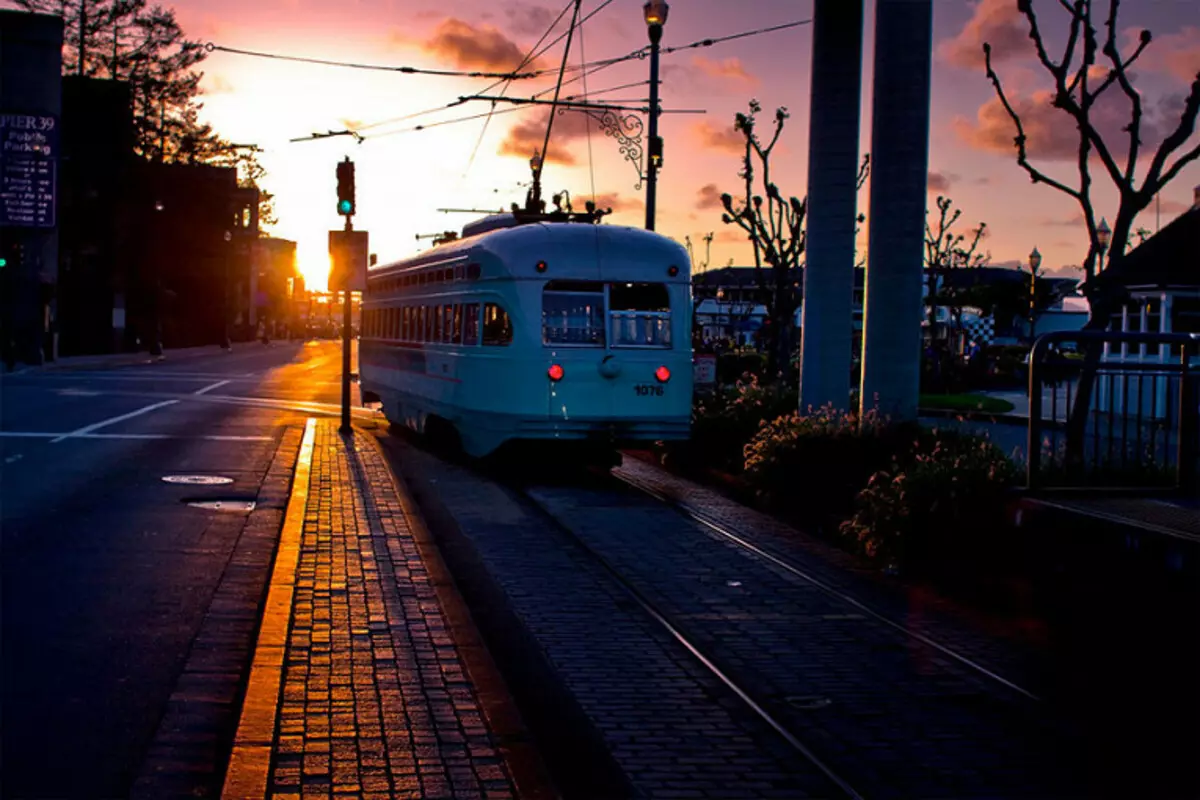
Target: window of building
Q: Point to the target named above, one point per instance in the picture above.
(497, 327)
(471, 324)
(639, 315)
(573, 313)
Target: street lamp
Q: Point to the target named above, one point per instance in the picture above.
(156, 342)
(534, 199)
(225, 343)
(655, 13)
(1035, 261)
(1103, 235)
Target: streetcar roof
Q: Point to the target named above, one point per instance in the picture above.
(547, 241)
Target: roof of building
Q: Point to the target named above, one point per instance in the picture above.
(1170, 257)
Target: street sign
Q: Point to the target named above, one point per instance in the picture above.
(349, 251)
(28, 154)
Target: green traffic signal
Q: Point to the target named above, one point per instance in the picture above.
(3, 262)
(345, 207)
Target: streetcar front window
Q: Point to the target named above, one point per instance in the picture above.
(640, 315)
(573, 313)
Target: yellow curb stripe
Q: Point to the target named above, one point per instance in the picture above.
(250, 763)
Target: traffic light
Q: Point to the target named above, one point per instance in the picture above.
(345, 179)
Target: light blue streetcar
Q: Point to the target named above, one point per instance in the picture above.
(553, 332)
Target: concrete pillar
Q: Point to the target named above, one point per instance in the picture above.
(891, 371)
(30, 89)
(826, 320)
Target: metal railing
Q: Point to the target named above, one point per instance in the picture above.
(1140, 426)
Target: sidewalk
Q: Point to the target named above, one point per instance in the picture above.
(367, 680)
(115, 359)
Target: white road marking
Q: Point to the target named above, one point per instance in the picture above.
(114, 420)
(216, 385)
(135, 436)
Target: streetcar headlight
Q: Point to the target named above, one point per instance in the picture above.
(663, 374)
(555, 372)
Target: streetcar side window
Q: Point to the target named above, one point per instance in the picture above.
(420, 337)
(471, 324)
(448, 323)
(457, 330)
(639, 315)
(573, 313)
(404, 319)
(497, 327)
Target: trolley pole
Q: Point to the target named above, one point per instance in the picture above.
(346, 348)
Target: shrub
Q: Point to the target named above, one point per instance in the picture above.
(814, 464)
(734, 366)
(724, 422)
(944, 506)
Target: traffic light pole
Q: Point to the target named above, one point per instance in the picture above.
(346, 349)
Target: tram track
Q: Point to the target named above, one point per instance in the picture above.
(708, 662)
(742, 541)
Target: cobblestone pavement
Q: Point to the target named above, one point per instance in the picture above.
(376, 701)
(901, 719)
(672, 729)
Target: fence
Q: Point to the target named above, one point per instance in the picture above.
(1140, 426)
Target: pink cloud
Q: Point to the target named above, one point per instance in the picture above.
(997, 22)
(466, 46)
(616, 202)
(723, 139)
(1176, 54)
(709, 197)
(939, 182)
(527, 137)
(730, 68)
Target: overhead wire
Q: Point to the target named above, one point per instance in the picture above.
(528, 59)
(588, 121)
(587, 69)
(453, 73)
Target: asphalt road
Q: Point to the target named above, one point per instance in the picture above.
(107, 572)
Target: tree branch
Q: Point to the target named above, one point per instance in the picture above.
(1022, 155)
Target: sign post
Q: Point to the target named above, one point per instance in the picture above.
(349, 274)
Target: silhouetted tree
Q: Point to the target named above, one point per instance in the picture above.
(1074, 76)
(946, 252)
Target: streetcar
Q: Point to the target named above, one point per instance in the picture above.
(572, 335)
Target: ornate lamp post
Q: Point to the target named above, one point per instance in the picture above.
(655, 13)
(533, 200)
(1035, 261)
(1103, 236)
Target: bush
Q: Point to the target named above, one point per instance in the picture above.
(813, 465)
(734, 366)
(723, 423)
(943, 508)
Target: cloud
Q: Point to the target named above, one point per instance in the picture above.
(730, 68)
(529, 20)
(466, 46)
(615, 201)
(528, 136)
(723, 139)
(1172, 207)
(997, 22)
(215, 84)
(709, 197)
(939, 182)
(1176, 54)
(1051, 133)
(731, 236)
(1074, 221)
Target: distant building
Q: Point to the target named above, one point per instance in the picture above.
(275, 283)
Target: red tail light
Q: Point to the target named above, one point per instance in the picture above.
(555, 372)
(663, 374)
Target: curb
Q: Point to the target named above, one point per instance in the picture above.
(250, 762)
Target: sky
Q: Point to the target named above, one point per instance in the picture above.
(404, 176)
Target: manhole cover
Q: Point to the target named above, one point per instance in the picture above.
(808, 703)
(198, 480)
(238, 506)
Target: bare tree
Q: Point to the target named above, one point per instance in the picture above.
(1075, 96)
(945, 252)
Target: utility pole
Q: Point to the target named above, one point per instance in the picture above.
(82, 33)
(655, 145)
